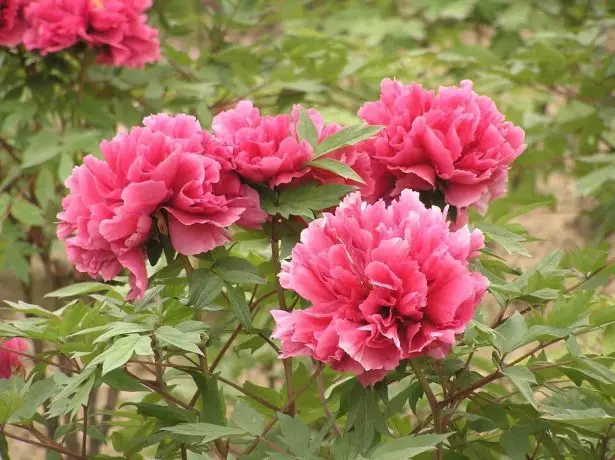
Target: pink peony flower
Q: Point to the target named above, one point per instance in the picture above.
(54, 25)
(386, 283)
(118, 28)
(12, 24)
(11, 362)
(455, 141)
(262, 148)
(107, 220)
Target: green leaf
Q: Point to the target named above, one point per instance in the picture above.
(120, 380)
(238, 270)
(408, 446)
(26, 213)
(516, 442)
(338, 168)
(295, 434)
(168, 415)
(212, 402)
(590, 183)
(511, 242)
(42, 147)
(579, 417)
(247, 418)
(120, 352)
(521, 377)
(306, 129)
(118, 328)
(347, 136)
(512, 333)
(207, 432)
(307, 199)
(185, 340)
(30, 309)
(44, 187)
(204, 287)
(38, 393)
(239, 305)
(78, 289)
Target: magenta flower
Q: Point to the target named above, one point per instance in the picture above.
(12, 24)
(119, 30)
(261, 148)
(11, 362)
(386, 283)
(107, 217)
(455, 141)
(54, 25)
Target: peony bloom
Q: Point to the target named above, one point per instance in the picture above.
(11, 362)
(12, 24)
(107, 217)
(119, 30)
(455, 141)
(261, 148)
(54, 25)
(386, 283)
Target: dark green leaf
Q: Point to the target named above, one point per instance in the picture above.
(347, 136)
(338, 168)
(204, 287)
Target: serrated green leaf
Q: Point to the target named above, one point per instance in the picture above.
(347, 136)
(338, 168)
(306, 129)
(184, 340)
(408, 446)
(204, 287)
(307, 199)
(26, 213)
(239, 305)
(295, 434)
(119, 353)
(78, 289)
(206, 432)
(521, 377)
(247, 418)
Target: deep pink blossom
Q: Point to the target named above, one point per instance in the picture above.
(54, 25)
(262, 148)
(11, 362)
(386, 283)
(455, 141)
(107, 217)
(119, 30)
(12, 24)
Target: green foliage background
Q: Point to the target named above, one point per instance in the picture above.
(549, 65)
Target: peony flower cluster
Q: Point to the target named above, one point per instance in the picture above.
(116, 29)
(11, 362)
(454, 142)
(386, 283)
(162, 166)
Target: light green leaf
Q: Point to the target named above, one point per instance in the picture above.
(510, 241)
(408, 446)
(30, 309)
(239, 305)
(44, 187)
(78, 289)
(42, 147)
(26, 213)
(204, 287)
(347, 136)
(521, 377)
(118, 328)
(247, 418)
(306, 129)
(207, 432)
(512, 333)
(295, 434)
(185, 340)
(338, 168)
(119, 353)
(307, 199)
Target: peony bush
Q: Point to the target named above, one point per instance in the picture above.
(283, 249)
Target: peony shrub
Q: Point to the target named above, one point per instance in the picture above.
(344, 256)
